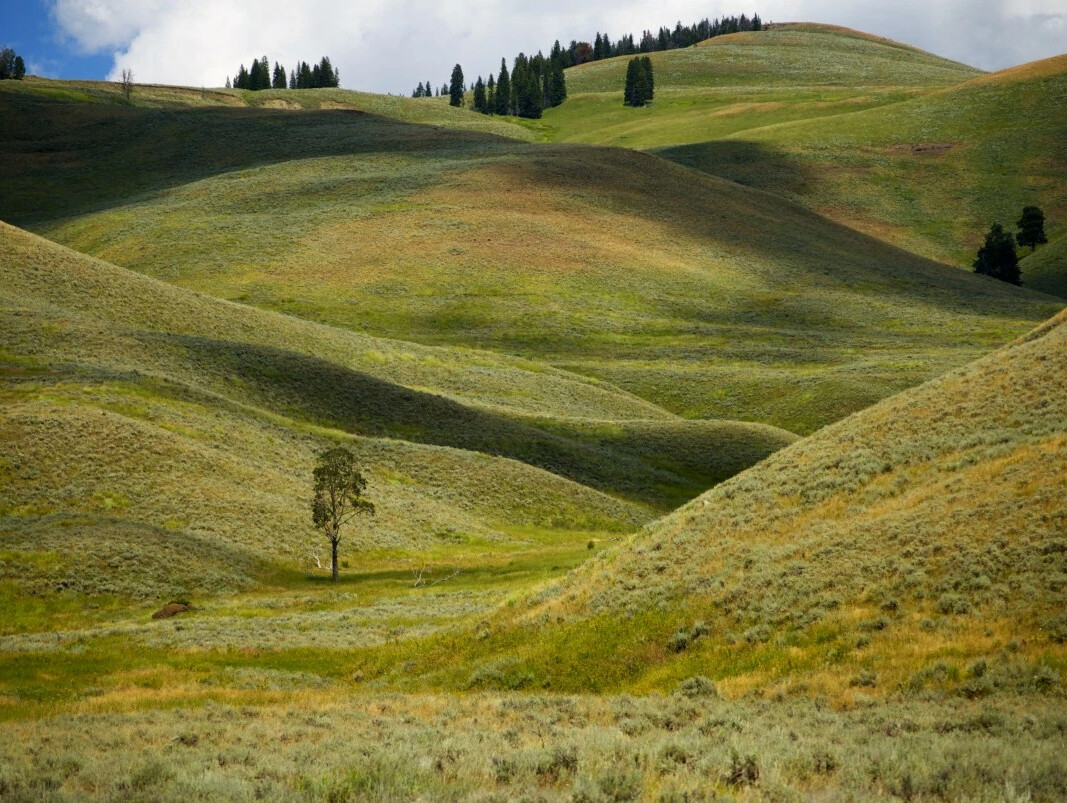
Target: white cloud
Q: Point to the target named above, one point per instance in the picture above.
(390, 46)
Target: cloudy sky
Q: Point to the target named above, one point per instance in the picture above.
(389, 46)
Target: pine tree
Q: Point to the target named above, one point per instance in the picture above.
(19, 71)
(649, 79)
(243, 79)
(997, 257)
(305, 76)
(279, 76)
(328, 76)
(1032, 228)
(253, 75)
(490, 95)
(292, 79)
(479, 95)
(455, 88)
(631, 83)
(228, 86)
(503, 90)
(558, 93)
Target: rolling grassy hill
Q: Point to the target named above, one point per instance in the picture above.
(907, 147)
(918, 544)
(729, 84)
(929, 174)
(717, 302)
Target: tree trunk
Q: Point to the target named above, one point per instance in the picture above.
(334, 545)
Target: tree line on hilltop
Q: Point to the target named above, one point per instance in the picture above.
(537, 82)
(303, 76)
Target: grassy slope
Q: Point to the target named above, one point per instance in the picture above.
(190, 424)
(717, 303)
(885, 552)
(929, 174)
(733, 83)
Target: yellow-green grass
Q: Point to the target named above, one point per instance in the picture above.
(183, 347)
(427, 111)
(711, 301)
(886, 553)
(733, 83)
(929, 174)
(319, 743)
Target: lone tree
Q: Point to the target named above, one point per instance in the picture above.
(127, 83)
(997, 257)
(455, 88)
(1031, 228)
(338, 498)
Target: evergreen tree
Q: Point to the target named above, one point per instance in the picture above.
(243, 79)
(479, 95)
(228, 82)
(455, 88)
(305, 76)
(640, 85)
(628, 93)
(279, 76)
(558, 91)
(490, 95)
(20, 69)
(253, 75)
(1032, 228)
(328, 76)
(997, 257)
(503, 90)
(292, 79)
(649, 79)
(316, 76)
(7, 64)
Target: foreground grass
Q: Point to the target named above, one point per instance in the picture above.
(326, 746)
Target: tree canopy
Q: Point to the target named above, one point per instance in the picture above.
(997, 257)
(338, 496)
(640, 84)
(12, 67)
(455, 87)
(1031, 228)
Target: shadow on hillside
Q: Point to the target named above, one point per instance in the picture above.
(788, 246)
(61, 158)
(751, 164)
(307, 388)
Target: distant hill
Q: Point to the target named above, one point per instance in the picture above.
(747, 80)
(929, 174)
(703, 298)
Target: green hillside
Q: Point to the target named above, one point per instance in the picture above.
(733, 83)
(929, 174)
(887, 553)
(133, 404)
(717, 303)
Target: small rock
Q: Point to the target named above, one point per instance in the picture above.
(173, 609)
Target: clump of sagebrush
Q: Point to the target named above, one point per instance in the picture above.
(563, 747)
(876, 526)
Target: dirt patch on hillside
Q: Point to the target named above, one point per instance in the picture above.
(278, 103)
